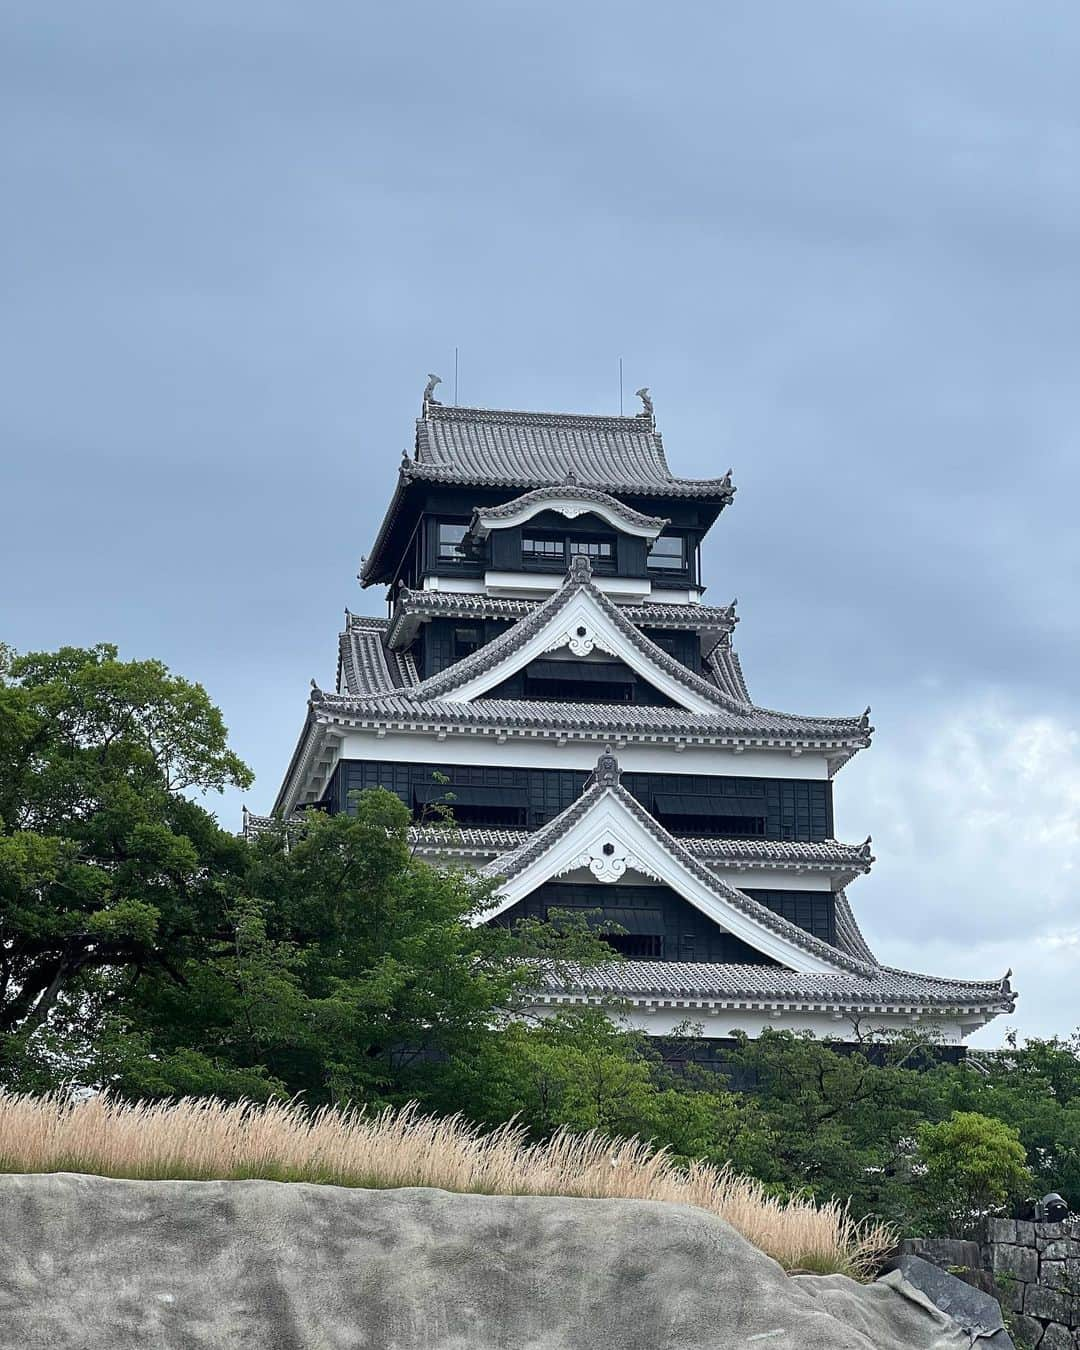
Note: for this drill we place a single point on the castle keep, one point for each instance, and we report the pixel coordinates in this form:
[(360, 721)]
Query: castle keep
[(549, 668)]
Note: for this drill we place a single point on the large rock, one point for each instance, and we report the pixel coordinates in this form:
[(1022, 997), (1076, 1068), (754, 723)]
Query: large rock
[(975, 1311), (93, 1264)]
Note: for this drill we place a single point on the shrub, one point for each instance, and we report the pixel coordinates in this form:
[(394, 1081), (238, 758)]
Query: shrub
[(971, 1165)]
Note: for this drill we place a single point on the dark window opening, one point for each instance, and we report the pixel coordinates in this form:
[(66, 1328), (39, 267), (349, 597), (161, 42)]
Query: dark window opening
[(467, 804), (539, 548), (452, 543), (668, 554), (636, 946), (601, 552), (502, 817), (466, 641), (488, 814), (577, 691), (555, 551), (714, 827)]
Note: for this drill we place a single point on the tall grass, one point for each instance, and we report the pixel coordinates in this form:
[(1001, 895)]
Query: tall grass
[(205, 1139)]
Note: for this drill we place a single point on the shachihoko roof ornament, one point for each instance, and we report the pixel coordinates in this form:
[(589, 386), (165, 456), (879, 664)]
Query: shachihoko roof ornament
[(495, 448)]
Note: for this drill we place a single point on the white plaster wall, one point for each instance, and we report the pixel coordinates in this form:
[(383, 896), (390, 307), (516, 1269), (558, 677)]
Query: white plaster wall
[(772, 879), (665, 1022), (520, 752)]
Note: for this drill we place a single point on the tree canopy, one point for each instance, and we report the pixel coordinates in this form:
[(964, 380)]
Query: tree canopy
[(146, 950), (105, 860)]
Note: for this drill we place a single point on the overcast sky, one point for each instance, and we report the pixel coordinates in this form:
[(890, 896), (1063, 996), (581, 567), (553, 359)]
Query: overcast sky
[(838, 240)]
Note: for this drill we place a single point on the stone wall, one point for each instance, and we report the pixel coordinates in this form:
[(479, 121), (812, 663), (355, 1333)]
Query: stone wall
[(1036, 1272), (1033, 1269)]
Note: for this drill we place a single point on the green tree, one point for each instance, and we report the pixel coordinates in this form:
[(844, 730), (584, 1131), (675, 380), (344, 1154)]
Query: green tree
[(107, 867), (972, 1165), (1035, 1087), (841, 1118), (349, 970)]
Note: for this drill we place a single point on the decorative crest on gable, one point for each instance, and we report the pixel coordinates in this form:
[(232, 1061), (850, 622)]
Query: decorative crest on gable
[(580, 568), (607, 772)]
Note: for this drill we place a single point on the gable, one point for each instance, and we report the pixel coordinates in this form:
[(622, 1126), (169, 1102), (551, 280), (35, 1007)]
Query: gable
[(581, 626), (564, 679), (607, 840)]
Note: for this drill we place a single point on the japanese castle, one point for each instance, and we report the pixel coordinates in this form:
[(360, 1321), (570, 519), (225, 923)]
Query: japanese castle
[(550, 669)]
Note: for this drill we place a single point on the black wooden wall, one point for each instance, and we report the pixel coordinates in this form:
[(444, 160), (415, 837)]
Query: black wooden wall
[(442, 642), (661, 926), (766, 808)]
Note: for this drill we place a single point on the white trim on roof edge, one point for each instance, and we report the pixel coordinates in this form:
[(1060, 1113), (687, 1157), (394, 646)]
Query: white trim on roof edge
[(657, 1015), (582, 626), (571, 506), (609, 839)]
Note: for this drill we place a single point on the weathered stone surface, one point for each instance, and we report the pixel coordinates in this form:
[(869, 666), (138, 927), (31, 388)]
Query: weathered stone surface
[(1061, 1249), (1000, 1230), (977, 1313), (1010, 1293), (1021, 1263), (944, 1252), (1025, 1233), (93, 1264), (1057, 1337), (1049, 1304), (1057, 1275), (1027, 1332)]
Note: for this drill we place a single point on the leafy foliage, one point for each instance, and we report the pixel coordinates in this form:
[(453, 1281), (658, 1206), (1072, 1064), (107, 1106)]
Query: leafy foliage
[(105, 864), (144, 949), (971, 1165)]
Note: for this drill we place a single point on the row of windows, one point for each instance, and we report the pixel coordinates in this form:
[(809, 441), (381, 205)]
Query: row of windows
[(543, 549), (550, 550), (688, 804)]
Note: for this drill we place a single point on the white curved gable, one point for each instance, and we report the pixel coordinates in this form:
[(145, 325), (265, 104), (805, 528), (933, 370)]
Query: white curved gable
[(582, 627), (571, 507), (610, 841)]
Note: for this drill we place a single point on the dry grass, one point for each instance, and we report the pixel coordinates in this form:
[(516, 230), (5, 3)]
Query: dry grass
[(200, 1139)]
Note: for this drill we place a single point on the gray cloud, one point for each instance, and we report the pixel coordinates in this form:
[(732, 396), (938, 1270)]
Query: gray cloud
[(838, 242)]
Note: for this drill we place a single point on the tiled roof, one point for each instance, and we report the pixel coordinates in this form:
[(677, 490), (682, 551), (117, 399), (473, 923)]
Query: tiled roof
[(848, 860), (760, 852), (848, 934), (882, 988), (510, 865), (409, 604), (731, 712), (592, 720), (366, 666), (496, 448), (485, 517), (724, 666)]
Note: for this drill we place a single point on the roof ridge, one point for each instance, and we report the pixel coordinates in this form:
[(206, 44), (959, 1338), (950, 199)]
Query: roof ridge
[(446, 412)]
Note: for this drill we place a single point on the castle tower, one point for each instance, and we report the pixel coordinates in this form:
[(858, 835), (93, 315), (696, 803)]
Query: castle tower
[(550, 668)]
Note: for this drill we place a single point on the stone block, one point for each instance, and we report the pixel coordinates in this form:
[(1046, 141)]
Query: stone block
[(948, 1253), (977, 1313), (1009, 1293), (1057, 1337), (1048, 1304), (1027, 1332), (1001, 1230), (1025, 1233), (1047, 1232), (1021, 1263), (1061, 1249)]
